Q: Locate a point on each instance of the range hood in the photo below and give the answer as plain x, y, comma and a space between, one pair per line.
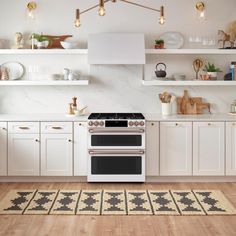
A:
116, 48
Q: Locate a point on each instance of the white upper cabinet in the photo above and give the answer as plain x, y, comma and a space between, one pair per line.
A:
3, 148
175, 148
152, 148
230, 148
208, 148
116, 48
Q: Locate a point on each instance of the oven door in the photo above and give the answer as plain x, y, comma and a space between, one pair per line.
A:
116, 138
116, 166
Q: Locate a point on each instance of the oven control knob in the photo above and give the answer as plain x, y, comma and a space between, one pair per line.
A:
142, 123
101, 123
96, 123
131, 123
90, 123
136, 123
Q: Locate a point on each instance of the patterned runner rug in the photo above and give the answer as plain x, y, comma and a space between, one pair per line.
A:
116, 202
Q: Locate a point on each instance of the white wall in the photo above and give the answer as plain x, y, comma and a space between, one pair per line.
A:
113, 88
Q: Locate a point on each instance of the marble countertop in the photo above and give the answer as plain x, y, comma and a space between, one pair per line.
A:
204, 117
148, 116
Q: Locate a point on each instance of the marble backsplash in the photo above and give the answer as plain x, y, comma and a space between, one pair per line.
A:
111, 89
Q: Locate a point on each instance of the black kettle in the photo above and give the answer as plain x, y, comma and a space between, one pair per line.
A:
160, 70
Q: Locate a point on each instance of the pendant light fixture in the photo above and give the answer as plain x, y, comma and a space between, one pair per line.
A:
31, 7
102, 11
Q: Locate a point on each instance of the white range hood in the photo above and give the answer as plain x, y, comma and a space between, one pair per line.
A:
116, 48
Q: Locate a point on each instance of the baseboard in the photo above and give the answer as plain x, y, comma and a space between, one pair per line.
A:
149, 179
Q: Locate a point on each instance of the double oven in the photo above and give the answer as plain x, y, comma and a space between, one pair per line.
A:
116, 149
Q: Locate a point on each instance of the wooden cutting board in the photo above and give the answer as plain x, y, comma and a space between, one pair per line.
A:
191, 105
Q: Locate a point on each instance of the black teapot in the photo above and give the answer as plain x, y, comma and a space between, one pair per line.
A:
160, 70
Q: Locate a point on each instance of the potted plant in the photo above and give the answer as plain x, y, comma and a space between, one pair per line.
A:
212, 70
41, 40
159, 44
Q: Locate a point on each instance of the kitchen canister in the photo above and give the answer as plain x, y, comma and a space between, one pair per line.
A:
166, 109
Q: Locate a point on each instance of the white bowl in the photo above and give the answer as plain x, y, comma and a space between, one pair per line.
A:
179, 76
68, 45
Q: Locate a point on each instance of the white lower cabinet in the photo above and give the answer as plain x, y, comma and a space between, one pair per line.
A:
80, 149
56, 155
175, 148
208, 148
152, 148
230, 148
3, 148
23, 154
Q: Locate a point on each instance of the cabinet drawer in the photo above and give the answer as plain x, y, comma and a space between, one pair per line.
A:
23, 127
56, 127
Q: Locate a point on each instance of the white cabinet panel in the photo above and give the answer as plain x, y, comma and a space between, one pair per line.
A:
208, 148
230, 148
23, 154
152, 149
56, 155
175, 148
3, 148
80, 149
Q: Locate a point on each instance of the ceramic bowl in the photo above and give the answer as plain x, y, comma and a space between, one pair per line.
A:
68, 45
179, 76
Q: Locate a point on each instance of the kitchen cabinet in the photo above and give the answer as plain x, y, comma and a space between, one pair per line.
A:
208, 148
80, 149
175, 148
56, 149
230, 148
152, 148
23, 149
3, 148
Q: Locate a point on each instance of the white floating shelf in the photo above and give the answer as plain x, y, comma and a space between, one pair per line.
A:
43, 51
188, 83
43, 82
191, 51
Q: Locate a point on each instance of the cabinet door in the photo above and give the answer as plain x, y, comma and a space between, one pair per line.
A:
56, 155
80, 149
23, 154
175, 148
3, 148
208, 148
230, 148
152, 148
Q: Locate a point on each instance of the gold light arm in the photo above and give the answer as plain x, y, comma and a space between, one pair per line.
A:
139, 5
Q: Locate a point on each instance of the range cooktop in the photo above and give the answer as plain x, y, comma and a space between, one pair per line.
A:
116, 116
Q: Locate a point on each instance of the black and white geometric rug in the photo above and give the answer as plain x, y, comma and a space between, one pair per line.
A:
116, 202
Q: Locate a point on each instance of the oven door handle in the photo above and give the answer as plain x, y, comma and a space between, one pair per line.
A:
116, 131
128, 152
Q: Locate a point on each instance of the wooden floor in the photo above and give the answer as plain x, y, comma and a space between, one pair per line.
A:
119, 225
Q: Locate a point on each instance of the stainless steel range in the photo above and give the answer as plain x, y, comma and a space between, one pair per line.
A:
116, 147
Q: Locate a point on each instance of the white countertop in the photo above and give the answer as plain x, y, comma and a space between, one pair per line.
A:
204, 117
148, 116
41, 117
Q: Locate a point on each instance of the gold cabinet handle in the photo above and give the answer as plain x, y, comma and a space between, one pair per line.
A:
24, 127
56, 127
209, 124
176, 124
2, 128
152, 124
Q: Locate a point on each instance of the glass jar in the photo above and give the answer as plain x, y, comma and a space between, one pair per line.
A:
233, 107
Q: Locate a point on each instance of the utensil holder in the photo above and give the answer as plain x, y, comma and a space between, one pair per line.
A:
166, 109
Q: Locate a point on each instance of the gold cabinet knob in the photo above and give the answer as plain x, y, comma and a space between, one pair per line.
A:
36, 140
176, 124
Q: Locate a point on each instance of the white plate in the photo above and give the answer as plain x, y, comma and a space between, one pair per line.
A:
15, 70
173, 40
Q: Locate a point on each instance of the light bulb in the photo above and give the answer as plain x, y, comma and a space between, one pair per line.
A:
31, 15
101, 11
162, 20
77, 23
